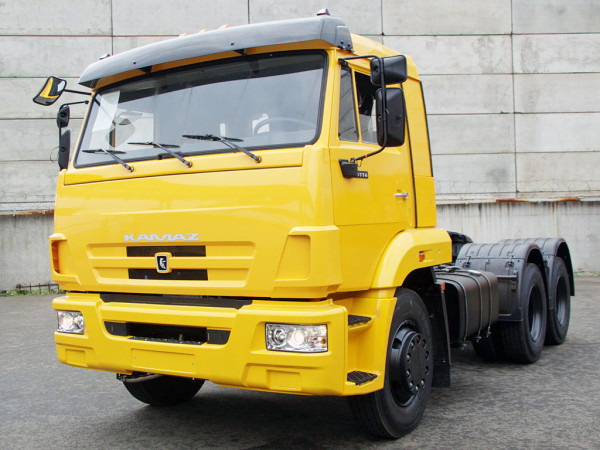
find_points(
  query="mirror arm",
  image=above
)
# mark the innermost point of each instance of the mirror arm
(77, 92)
(75, 103)
(383, 103)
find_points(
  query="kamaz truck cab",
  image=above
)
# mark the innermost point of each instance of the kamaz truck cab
(255, 206)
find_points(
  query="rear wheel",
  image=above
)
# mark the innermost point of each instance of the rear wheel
(558, 318)
(162, 390)
(396, 409)
(523, 341)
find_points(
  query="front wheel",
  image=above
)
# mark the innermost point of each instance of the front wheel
(396, 409)
(162, 390)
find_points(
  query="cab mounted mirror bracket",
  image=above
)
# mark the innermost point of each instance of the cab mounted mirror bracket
(388, 70)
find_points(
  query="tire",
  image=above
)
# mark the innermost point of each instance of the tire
(163, 390)
(490, 348)
(559, 289)
(523, 341)
(396, 409)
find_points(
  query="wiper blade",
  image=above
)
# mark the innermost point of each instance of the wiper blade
(102, 150)
(110, 153)
(167, 148)
(229, 142)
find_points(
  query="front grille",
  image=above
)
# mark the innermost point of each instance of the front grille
(171, 334)
(206, 265)
(182, 300)
(174, 250)
(179, 274)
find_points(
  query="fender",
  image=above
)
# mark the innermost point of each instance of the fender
(506, 259)
(551, 248)
(411, 250)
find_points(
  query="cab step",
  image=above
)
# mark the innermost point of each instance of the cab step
(355, 320)
(359, 378)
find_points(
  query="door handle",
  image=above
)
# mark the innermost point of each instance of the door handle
(401, 195)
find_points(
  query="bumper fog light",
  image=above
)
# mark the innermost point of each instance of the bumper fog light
(296, 338)
(70, 322)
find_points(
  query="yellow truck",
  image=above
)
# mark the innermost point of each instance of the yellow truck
(255, 206)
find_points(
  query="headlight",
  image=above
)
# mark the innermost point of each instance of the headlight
(70, 322)
(296, 338)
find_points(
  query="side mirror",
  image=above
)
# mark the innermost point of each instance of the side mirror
(64, 149)
(53, 88)
(63, 116)
(394, 70)
(390, 127)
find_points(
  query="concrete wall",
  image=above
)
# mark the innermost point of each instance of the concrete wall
(24, 254)
(577, 222)
(512, 88)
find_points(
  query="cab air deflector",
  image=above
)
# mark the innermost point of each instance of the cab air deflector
(330, 30)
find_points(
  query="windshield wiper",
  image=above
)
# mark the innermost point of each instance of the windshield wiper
(167, 148)
(110, 153)
(229, 142)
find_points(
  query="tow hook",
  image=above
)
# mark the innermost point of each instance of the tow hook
(137, 377)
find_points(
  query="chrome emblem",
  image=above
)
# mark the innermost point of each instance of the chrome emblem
(162, 262)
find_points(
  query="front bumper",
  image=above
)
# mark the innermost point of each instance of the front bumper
(243, 361)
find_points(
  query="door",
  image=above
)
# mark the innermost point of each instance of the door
(386, 195)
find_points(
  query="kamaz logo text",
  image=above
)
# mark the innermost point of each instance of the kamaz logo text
(161, 238)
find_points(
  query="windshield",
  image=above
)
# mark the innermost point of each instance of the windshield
(260, 102)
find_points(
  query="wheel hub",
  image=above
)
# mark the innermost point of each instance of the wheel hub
(410, 365)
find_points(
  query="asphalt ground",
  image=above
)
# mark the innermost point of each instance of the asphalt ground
(554, 403)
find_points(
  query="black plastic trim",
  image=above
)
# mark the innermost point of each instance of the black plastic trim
(550, 248)
(177, 274)
(171, 334)
(355, 320)
(507, 260)
(198, 251)
(182, 300)
(357, 377)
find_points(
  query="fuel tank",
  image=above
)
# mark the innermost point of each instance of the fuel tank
(471, 302)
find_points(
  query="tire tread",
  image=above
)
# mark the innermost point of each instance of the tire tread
(164, 391)
(376, 412)
(555, 333)
(516, 339)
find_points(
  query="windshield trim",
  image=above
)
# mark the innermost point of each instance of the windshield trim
(161, 157)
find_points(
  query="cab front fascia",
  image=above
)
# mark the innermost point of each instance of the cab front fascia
(243, 360)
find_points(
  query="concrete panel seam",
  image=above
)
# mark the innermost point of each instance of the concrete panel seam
(512, 64)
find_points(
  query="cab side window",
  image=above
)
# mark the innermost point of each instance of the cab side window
(347, 128)
(365, 92)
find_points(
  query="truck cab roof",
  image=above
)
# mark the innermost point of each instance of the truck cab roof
(330, 31)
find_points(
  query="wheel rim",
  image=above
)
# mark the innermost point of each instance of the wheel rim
(562, 299)
(535, 313)
(410, 364)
